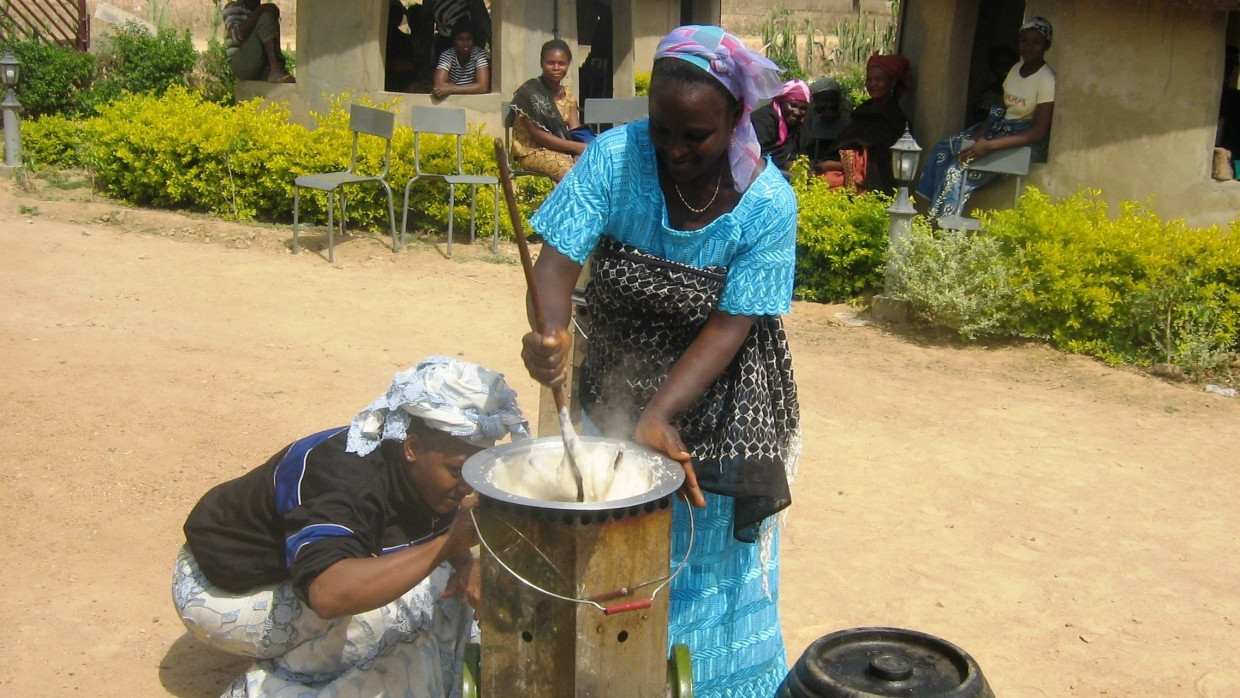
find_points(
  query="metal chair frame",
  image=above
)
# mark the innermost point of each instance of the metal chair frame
(614, 111)
(448, 121)
(362, 120)
(505, 110)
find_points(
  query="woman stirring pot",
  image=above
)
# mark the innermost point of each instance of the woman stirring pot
(691, 236)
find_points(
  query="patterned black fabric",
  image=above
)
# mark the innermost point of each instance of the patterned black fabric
(644, 313)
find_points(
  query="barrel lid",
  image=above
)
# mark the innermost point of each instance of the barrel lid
(864, 662)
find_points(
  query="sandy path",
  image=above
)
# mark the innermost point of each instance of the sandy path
(1071, 526)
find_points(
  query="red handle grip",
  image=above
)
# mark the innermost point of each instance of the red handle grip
(609, 595)
(627, 606)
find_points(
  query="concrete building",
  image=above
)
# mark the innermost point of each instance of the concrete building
(340, 48)
(1136, 102)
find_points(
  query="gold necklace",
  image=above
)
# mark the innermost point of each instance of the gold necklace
(708, 203)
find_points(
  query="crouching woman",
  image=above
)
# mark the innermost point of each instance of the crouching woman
(342, 566)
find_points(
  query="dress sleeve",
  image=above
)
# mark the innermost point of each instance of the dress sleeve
(575, 214)
(445, 61)
(760, 276)
(481, 61)
(338, 516)
(1046, 88)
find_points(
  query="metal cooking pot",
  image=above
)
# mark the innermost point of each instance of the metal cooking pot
(573, 608)
(873, 662)
(666, 474)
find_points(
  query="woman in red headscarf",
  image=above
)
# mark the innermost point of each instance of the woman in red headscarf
(778, 124)
(859, 157)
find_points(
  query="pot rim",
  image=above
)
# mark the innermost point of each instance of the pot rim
(668, 473)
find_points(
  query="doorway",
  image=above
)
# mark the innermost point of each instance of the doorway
(994, 53)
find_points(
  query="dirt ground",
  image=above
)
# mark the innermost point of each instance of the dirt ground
(1071, 526)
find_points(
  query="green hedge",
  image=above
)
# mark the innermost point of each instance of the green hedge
(54, 79)
(181, 151)
(1127, 287)
(841, 240)
(57, 80)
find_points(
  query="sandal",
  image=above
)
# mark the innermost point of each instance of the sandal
(282, 78)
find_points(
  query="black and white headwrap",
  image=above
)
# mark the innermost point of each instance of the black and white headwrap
(1040, 25)
(470, 402)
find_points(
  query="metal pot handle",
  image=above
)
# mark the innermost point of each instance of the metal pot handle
(605, 596)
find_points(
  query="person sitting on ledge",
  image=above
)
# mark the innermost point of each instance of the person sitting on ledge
(253, 41)
(342, 565)
(463, 69)
(1023, 120)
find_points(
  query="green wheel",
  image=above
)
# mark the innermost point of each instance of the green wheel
(469, 673)
(679, 673)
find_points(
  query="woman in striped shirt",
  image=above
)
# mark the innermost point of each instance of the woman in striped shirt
(464, 68)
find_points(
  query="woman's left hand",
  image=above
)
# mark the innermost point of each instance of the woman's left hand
(466, 580)
(975, 151)
(657, 433)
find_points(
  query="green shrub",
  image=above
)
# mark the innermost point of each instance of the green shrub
(54, 140)
(135, 61)
(841, 240)
(180, 151)
(852, 83)
(1126, 289)
(641, 83)
(213, 75)
(863, 35)
(779, 38)
(52, 76)
(953, 279)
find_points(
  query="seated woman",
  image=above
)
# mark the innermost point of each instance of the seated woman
(546, 114)
(830, 113)
(860, 157)
(779, 124)
(462, 69)
(1029, 96)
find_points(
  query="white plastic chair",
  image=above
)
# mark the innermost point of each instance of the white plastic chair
(362, 120)
(448, 121)
(613, 111)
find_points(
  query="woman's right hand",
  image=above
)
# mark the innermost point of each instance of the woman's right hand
(657, 433)
(546, 356)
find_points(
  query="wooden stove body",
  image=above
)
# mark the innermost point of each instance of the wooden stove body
(537, 646)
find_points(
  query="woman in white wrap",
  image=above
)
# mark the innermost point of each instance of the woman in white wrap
(340, 565)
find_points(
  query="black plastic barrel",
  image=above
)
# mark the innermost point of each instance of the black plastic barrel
(864, 662)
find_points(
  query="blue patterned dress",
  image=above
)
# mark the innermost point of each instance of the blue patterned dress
(724, 604)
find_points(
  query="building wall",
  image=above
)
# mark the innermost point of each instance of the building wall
(341, 50)
(521, 28)
(1136, 99)
(746, 16)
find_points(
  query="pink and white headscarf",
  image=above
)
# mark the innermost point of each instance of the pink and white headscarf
(748, 75)
(792, 91)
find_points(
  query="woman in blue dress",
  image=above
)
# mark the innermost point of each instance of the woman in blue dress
(691, 239)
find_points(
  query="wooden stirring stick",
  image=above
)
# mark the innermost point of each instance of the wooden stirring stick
(572, 446)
